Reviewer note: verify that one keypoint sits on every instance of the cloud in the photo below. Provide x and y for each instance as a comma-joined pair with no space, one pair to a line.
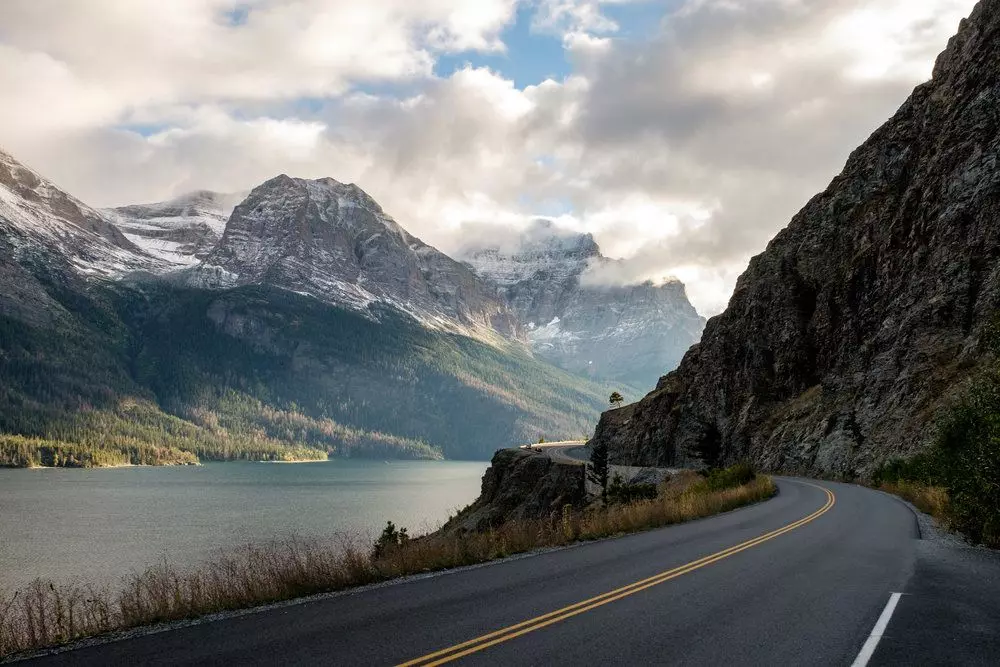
684,151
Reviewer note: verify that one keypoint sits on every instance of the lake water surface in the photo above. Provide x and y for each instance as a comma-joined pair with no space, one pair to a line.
99,524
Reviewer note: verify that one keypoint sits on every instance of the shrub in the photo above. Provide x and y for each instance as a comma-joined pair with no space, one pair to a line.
967,457
621,492
389,540
963,465
727,478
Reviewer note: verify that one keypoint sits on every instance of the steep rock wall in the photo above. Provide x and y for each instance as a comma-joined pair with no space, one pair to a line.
847,333
521,484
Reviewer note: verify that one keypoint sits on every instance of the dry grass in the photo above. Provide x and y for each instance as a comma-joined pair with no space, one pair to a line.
931,500
45,614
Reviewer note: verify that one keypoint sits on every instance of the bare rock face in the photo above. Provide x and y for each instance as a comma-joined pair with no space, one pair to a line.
521,484
844,337
334,242
630,333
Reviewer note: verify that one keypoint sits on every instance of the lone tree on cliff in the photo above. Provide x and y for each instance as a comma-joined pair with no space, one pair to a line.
616,399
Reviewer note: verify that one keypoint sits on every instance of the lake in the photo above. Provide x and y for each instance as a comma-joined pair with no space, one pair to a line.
99,524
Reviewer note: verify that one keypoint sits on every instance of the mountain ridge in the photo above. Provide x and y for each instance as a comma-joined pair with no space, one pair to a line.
106,355
181,230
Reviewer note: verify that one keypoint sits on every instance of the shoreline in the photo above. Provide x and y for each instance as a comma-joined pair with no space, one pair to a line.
109,467
330,459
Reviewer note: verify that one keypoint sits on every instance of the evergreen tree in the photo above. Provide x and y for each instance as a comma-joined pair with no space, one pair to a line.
599,462
616,399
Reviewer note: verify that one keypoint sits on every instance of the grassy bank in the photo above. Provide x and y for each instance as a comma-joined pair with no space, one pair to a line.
931,500
46,614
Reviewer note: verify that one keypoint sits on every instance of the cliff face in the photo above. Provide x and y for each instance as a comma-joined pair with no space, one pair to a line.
522,484
846,334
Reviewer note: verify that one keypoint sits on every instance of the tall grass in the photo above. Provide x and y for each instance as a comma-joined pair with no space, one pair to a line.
931,500
45,614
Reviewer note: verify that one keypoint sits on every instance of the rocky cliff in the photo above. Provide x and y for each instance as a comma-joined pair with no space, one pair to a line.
522,484
629,333
845,335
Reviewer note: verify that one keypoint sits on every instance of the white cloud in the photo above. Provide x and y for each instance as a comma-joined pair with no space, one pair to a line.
686,151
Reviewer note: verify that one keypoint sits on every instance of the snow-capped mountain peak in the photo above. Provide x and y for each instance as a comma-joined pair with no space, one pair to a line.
542,248
34,213
632,332
333,241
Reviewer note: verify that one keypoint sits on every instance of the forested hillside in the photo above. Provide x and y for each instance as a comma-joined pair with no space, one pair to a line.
152,370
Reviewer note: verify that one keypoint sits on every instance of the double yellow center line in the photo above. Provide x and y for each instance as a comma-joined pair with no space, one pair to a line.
510,632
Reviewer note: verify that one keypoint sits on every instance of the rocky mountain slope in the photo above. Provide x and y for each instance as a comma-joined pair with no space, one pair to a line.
181,231
848,332
334,242
37,217
629,333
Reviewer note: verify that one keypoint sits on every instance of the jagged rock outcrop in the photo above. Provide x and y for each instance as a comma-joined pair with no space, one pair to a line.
334,242
522,484
845,335
181,231
630,333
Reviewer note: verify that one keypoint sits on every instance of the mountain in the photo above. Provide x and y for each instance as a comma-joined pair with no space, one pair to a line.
626,333
108,355
181,231
334,242
35,215
845,337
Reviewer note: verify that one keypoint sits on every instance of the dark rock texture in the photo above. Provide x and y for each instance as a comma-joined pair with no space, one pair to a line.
847,333
522,484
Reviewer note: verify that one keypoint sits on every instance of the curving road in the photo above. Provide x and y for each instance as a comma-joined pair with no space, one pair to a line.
802,579
570,451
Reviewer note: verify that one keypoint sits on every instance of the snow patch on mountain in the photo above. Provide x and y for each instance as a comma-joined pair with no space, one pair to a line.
181,231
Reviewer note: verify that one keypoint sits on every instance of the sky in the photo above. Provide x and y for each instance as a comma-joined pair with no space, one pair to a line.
682,133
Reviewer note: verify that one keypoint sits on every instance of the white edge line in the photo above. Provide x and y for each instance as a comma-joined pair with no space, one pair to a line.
868,650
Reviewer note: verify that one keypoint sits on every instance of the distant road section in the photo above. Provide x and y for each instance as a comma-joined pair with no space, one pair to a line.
565,451
802,579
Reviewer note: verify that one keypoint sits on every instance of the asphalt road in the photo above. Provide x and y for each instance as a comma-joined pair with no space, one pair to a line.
564,452
799,580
